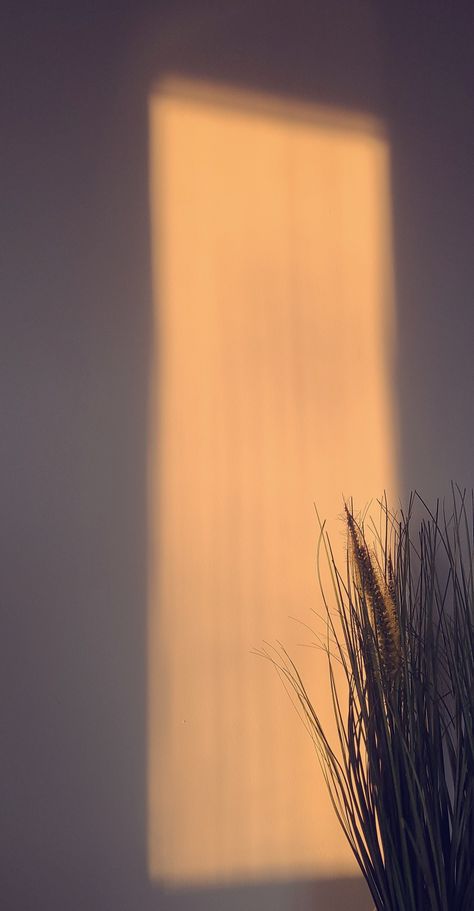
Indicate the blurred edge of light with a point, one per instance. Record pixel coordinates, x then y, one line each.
273 317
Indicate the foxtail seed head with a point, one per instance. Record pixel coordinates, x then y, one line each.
380 598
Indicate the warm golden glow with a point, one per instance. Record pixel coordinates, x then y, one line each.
271 389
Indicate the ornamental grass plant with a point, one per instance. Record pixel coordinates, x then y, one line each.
399 622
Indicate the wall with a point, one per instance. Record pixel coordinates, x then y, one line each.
73 403
429 81
74 364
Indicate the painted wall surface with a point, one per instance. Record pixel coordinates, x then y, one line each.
273 360
75 360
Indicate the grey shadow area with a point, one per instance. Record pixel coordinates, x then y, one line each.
320 54
74 356
429 78
300 895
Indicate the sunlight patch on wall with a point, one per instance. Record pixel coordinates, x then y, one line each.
271 389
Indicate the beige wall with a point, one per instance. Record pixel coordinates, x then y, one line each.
272 388
76 311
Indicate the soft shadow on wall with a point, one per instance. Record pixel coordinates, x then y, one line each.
429 72
316 894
